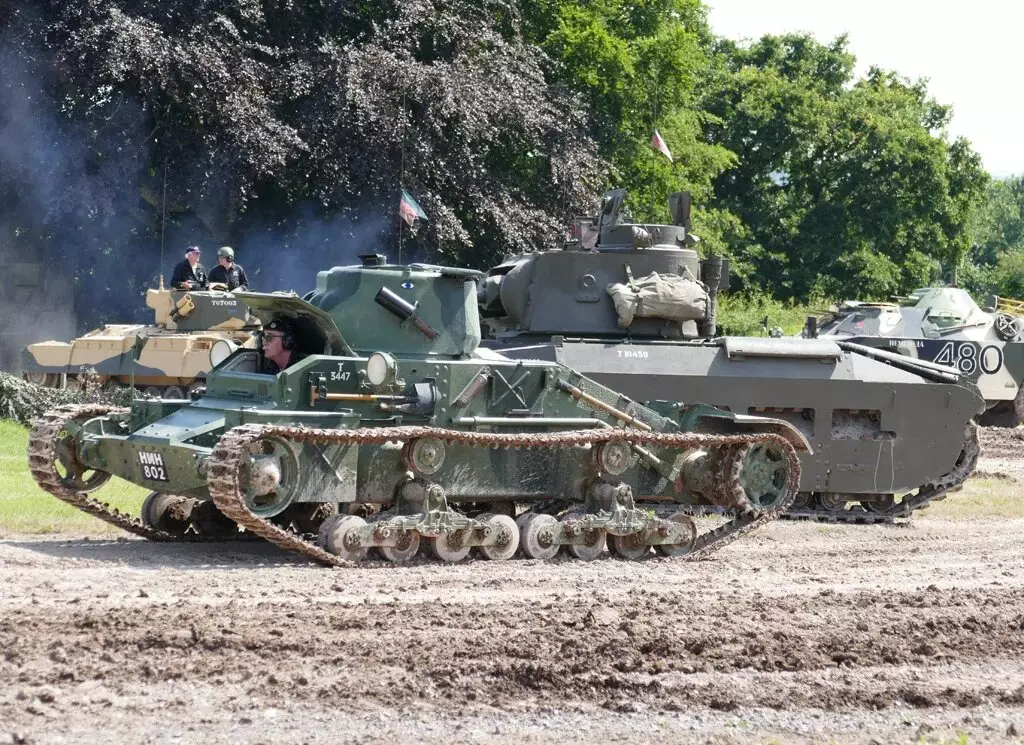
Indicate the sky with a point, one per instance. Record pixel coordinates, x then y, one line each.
969 52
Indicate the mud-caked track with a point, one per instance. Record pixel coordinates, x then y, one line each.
56 468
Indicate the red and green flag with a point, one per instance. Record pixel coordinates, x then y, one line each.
409 209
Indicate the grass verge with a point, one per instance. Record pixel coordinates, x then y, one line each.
25 508
982 496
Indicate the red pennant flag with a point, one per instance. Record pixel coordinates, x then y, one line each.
659 144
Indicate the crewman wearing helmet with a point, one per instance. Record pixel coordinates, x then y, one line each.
227 272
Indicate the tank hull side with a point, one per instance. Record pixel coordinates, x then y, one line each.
874 429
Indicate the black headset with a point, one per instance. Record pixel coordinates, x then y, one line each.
287 338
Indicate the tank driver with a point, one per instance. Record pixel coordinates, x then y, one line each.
279 346
189 274
227 272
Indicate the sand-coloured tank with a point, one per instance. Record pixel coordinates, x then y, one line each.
403 433
946 326
167 358
634 307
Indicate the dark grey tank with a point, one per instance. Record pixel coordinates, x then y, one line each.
634 307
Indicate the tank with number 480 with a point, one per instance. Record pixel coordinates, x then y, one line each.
946 326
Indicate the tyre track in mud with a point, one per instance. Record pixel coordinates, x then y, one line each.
793 632
635 656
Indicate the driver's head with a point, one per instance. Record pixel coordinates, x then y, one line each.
279 334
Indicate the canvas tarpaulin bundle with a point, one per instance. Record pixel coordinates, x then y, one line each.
668 296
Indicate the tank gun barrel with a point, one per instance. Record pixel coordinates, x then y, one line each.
404 310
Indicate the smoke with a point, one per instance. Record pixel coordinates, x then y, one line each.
283 259
83 201
35 302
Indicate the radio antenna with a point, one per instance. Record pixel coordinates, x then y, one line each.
163 225
401 179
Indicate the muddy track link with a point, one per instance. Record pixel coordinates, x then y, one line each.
933 492
42 452
231 452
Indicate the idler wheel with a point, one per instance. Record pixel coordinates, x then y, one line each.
209 521
273 476
802 501
408 546
508 538
537 536
167 512
46 380
685 546
831 502
630 546
590 550
881 506
447 547
72 472
764 475
339 535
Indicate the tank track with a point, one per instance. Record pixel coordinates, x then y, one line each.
230 454
42 453
926 494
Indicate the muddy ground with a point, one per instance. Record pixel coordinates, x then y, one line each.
802 633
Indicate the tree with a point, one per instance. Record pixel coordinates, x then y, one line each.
295 125
848 188
637 66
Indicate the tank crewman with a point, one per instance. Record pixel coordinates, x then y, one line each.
279 346
227 272
189 274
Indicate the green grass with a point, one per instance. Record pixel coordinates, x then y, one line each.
981 496
25 508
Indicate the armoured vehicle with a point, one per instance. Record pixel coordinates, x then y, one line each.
168 359
440 442
944 325
633 307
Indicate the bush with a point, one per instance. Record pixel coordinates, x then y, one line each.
744 314
23 401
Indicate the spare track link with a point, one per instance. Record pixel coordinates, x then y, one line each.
231 451
926 494
41 460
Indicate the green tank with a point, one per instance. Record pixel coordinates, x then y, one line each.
946 326
169 358
402 434
634 307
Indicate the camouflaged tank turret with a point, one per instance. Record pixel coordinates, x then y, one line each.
944 325
389 430
634 307
166 359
